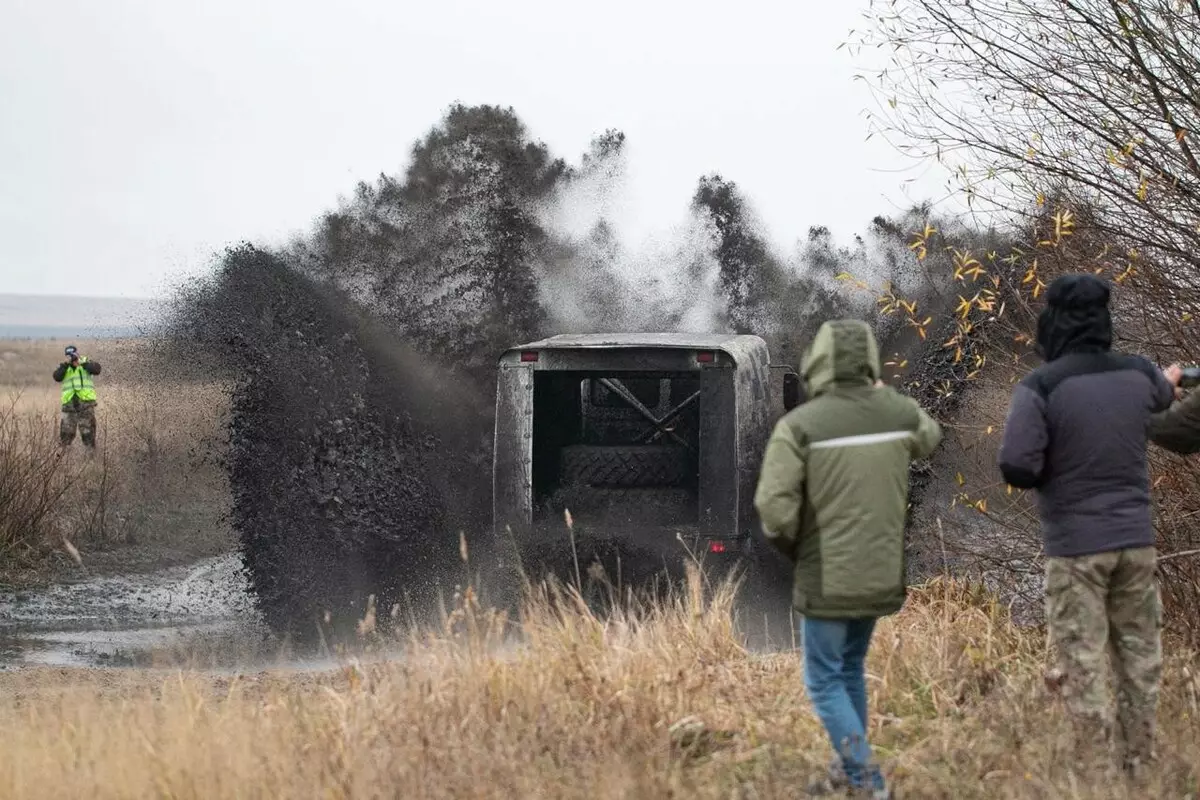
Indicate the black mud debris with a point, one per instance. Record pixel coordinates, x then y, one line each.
361 357
354 465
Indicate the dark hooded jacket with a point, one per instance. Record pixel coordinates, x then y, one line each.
1076 428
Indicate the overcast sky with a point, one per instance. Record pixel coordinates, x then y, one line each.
137 137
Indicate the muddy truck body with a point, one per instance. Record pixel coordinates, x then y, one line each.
653 441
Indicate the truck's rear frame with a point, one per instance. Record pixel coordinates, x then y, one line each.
733 404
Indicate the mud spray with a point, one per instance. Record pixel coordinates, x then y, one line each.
361 358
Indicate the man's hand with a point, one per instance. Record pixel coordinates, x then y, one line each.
1174 374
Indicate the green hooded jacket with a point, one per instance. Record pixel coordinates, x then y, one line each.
833 493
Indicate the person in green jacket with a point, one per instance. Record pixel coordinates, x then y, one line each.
78 397
833 497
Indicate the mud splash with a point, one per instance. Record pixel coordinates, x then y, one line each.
362 355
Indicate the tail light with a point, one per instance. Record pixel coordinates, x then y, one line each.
706 357
529 355
716 547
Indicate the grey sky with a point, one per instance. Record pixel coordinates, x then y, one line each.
139 136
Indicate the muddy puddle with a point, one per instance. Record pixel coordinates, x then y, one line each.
199 613
199 617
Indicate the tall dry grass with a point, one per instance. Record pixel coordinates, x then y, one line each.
33 481
657 701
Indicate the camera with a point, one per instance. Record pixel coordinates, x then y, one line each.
1190 378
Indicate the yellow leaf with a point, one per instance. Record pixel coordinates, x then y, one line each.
1187 316
1180 133
1009 489
1041 199
959 477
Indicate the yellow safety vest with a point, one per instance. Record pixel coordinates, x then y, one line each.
78 383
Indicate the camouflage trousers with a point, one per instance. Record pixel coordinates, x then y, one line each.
1105 611
79 416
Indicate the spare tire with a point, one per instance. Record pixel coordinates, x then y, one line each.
624 466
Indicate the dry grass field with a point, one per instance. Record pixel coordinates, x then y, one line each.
653 702
660 703
153 493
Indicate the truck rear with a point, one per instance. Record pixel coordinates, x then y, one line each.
653 440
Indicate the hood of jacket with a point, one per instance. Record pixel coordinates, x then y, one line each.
843 354
1076 318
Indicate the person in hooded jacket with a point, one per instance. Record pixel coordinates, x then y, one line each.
1076 433
833 497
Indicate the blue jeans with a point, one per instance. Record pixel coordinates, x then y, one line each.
835 652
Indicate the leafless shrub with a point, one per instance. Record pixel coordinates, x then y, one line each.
34 482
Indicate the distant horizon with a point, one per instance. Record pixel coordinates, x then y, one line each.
85 296
53 316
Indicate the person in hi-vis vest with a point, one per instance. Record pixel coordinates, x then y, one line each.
78 397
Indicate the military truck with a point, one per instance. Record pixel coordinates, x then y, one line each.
652 440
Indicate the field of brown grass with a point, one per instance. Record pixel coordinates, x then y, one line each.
656 701
153 493
660 703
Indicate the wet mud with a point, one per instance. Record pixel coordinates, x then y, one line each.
126 620
203 617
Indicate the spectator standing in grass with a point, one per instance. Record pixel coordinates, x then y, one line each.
1077 433
833 497
78 397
